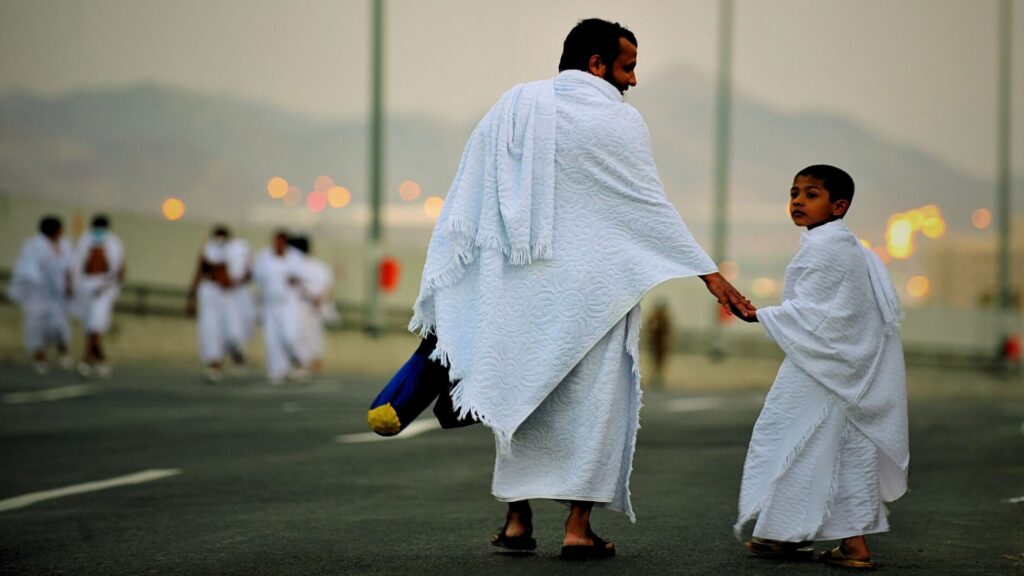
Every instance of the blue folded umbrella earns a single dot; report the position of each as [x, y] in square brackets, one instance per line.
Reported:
[409, 392]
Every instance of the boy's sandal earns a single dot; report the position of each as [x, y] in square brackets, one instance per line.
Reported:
[524, 541]
[596, 551]
[835, 557]
[780, 550]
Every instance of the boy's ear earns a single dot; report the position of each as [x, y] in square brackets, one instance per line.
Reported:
[839, 208]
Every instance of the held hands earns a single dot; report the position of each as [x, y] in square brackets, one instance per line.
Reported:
[729, 298]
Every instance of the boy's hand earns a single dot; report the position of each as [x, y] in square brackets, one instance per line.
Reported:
[729, 298]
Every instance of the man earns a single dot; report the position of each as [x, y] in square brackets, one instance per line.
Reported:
[98, 272]
[555, 227]
[211, 296]
[41, 285]
[278, 273]
[242, 310]
[318, 306]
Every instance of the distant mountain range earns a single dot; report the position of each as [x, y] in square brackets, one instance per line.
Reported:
[129, 147]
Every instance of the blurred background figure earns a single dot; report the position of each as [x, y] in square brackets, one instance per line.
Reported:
[41, 285]
[243, 320]
[659, 336]
[98, 272]
[277, 272]
[320, 308]
[212, 298]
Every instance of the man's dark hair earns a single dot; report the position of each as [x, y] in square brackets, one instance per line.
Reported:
[589, 37]
[50, 226]
[221, 230]
[100, 221]
[837, 182]
[300, 243]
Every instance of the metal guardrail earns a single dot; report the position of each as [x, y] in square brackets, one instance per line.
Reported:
[169, 301]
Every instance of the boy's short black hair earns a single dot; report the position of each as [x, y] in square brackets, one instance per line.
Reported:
[100, 221]
[836, 181]
[221, 230]
[50, 226]
[589, 37]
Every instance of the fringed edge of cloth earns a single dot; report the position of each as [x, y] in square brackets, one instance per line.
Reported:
[466, 246]
[633, 349]
[737, 528]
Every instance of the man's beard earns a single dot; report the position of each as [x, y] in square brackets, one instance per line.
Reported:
[610, 78]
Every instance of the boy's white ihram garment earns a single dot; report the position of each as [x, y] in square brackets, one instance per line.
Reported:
[554, 228]
[831, 443]
[38, 285]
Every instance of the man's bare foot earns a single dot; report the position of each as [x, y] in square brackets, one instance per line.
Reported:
[517, 533]
[856, 548]
[577, 527]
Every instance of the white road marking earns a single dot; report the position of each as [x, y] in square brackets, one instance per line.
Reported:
[414, 429]
[695, 404]
[35, 497]
[1017, 500]
[49, 395]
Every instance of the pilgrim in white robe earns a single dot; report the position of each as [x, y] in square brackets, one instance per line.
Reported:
[243, 317]
[96, 293]
[319, 307]
[216, 319]
[555, 227]
[830, 446]
[39, 285]
[278, 277]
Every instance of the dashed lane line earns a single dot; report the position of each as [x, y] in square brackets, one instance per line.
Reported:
[50, 394]
[36, 497]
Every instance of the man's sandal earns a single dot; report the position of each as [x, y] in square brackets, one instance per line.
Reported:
[596, 551]
[780, 550]
[835, 557]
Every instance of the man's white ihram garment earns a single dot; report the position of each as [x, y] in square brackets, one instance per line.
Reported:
[95, 294]
[38, 285]
[554, 228]
[831, 444]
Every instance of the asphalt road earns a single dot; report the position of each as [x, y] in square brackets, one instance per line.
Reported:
[265, 487]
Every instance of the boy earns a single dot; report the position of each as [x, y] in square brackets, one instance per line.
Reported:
[830, 445]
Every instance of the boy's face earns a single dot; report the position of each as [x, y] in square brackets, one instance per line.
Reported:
[810, 205]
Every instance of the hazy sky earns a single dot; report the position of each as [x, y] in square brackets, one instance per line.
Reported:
[918, 71]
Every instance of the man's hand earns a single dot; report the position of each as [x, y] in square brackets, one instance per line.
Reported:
[729, 298]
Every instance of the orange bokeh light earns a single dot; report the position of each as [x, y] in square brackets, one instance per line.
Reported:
[323, 183]
[433, 206]
[409, 190]
[981, 218]
[173, 209]
[339, 197]
[293, 197]
[277, 187]
[919, 286]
